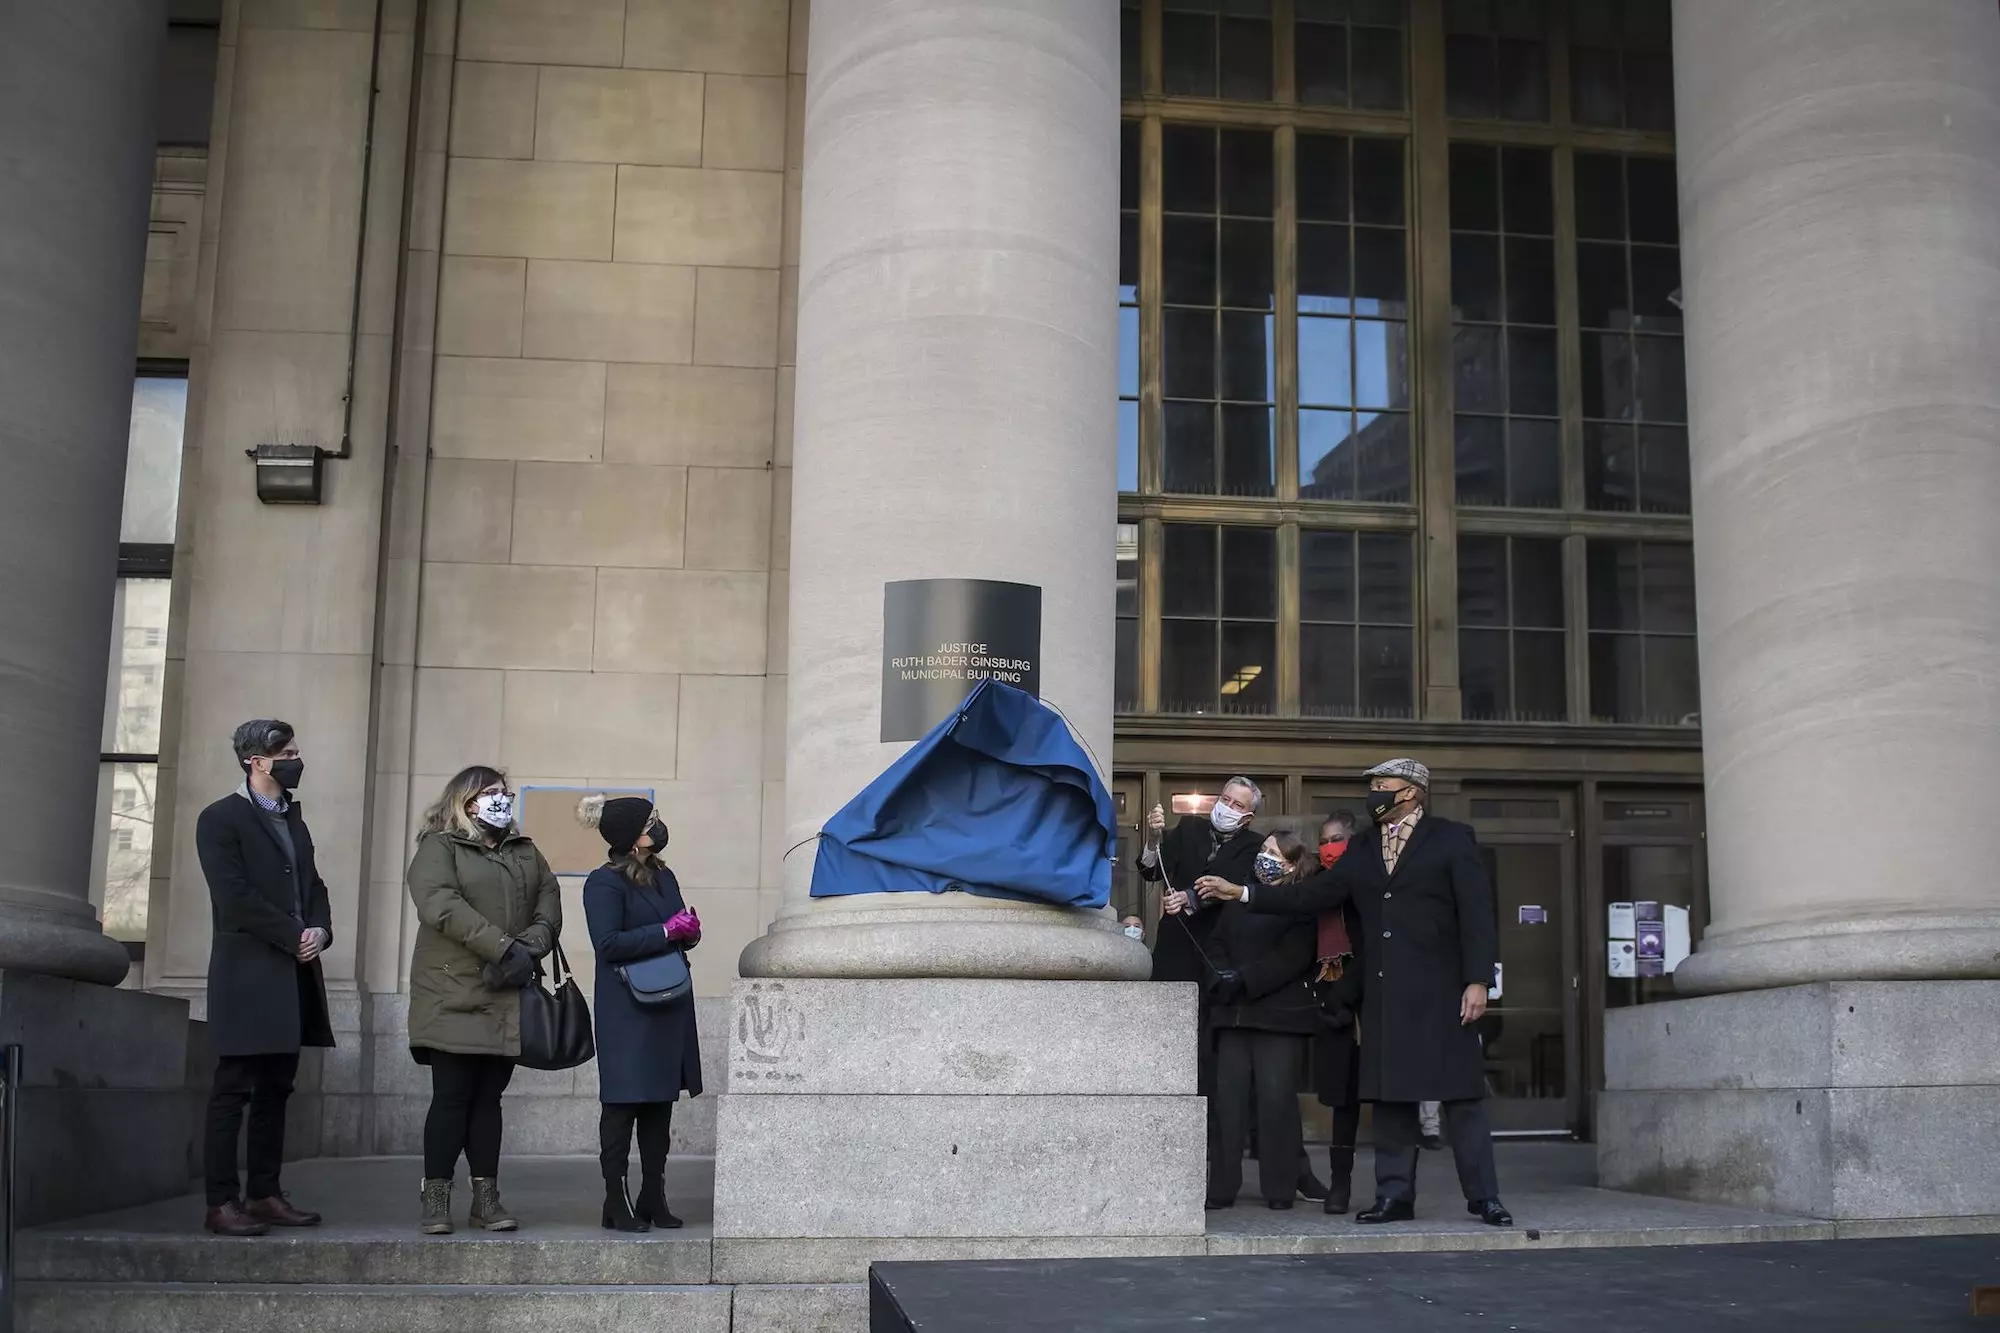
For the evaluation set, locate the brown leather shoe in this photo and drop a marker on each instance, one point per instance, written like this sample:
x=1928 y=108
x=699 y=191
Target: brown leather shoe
x=278 y=1211
x=229 y=1219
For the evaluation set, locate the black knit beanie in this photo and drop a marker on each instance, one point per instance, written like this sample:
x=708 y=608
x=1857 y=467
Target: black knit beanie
x=621 y=820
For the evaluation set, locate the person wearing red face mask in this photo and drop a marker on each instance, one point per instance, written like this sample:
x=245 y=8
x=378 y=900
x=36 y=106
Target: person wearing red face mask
x=1336 y=1055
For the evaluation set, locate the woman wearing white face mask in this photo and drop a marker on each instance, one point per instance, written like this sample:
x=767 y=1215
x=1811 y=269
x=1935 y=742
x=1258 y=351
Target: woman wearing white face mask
x=489 y=908
x=1262 y=1013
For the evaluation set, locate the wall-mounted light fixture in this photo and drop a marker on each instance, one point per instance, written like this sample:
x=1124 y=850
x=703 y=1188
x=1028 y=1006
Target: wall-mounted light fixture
x=290 y=474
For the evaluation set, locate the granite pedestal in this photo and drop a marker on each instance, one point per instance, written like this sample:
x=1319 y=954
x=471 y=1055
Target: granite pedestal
x=932 y=1118
x=1838 y=1100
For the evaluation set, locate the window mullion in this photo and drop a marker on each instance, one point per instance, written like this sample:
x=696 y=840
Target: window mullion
x=1569 y=335
x=1284 y=68
x=1288 y=620
x=1152 y=318
x=1285 y=334
x=1437 y=547
x=1152 y=77
x=1576 y=610
x=1152 y=548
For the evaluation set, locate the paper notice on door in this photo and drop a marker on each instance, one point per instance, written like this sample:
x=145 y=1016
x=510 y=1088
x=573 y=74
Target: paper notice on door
x=1623 y=956
x=1531 y=915
x=1678 y=944
x=1624 y=923
x=1494 y=991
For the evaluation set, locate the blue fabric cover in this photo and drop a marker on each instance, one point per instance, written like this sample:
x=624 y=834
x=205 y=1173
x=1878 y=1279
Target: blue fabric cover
x=998 y=800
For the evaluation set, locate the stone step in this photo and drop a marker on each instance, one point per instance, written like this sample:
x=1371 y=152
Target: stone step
x=602 y=1259
x=46 y=1307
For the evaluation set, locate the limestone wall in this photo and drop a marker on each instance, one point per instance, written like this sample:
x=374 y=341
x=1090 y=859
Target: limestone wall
x=561 y=543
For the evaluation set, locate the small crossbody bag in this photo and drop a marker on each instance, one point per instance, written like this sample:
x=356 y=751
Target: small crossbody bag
x=659 y=981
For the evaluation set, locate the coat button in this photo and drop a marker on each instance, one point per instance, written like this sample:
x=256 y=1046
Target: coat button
x=1385 y=934
x=1388 y=895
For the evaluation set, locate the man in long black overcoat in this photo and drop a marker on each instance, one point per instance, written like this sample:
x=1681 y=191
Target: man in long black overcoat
x=266 y=995
x=1427 y=916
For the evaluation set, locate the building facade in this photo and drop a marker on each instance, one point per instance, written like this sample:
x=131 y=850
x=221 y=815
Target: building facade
x=1451 y=336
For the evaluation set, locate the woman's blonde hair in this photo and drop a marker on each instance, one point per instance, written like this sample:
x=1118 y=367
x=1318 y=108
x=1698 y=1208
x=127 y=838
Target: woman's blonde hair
x=447 y=814
x=641 y=868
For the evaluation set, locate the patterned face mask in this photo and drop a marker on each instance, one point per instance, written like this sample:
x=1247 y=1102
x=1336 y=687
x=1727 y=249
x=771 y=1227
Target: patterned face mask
x=1270 y=869
x=495 y=809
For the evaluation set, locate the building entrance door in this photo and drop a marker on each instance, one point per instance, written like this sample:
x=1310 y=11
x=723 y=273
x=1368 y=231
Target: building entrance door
x=1527 y=837
x=1128 y=891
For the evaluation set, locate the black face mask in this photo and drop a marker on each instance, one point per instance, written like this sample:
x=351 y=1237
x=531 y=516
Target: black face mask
x=1380 y=803
x=657 y=831
x=288 y=773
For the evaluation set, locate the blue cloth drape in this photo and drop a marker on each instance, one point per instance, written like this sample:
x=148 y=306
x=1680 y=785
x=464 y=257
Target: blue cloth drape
x=998 y=800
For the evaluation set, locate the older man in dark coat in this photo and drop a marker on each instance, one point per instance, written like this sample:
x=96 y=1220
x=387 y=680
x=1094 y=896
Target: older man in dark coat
x=1427 y=915
x=266 y=998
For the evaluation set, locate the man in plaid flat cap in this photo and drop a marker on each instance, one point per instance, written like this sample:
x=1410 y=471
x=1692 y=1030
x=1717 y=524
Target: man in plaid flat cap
x=1426 y=909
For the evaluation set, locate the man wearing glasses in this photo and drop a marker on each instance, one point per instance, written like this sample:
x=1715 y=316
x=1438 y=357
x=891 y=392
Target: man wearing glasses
x=1426 y=910
x=266 y=998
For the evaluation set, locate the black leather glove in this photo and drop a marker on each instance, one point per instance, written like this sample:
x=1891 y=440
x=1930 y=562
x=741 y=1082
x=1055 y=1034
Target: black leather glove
x=1228 y=987
x=514 y=971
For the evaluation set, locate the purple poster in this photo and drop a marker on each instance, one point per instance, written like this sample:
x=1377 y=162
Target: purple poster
x=1651 y=939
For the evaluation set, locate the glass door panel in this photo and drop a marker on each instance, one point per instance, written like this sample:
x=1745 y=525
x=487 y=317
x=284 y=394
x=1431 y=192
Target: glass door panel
x=1526 y=1030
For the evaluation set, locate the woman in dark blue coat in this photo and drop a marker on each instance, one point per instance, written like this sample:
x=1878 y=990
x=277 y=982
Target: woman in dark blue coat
x=646 y=1055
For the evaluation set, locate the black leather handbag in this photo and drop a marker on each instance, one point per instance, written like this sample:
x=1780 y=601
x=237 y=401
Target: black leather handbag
x=659 y=981
x=555 y=1027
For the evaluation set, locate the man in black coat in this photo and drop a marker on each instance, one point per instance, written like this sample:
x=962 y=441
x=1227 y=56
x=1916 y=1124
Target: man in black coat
x=266 y=998
x=1221 y=842
x=1427 y=915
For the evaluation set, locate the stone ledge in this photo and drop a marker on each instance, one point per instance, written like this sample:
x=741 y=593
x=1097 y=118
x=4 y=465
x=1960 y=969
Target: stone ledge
x=841 y=1261
x=848 y=1166
x=1846 y=1034
x=1838 y=1153
x=971 y=1037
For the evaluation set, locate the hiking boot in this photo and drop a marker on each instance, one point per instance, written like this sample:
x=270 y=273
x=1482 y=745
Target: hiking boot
x=488 y=1213
x=437 y=1208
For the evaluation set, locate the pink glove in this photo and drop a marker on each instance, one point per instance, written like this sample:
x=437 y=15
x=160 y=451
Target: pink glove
x=684 y=927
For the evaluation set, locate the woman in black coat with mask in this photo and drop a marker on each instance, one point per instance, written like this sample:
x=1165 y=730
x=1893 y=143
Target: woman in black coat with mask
x=647 y=1055
x=1262 y=1015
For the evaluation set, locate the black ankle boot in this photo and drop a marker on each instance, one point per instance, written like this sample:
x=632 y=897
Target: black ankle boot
x=1339 y=1180
x=618 y=1208
x=652 y=1204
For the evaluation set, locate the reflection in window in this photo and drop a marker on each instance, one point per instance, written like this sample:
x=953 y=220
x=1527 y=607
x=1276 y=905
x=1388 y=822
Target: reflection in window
x=1511 y=643
x=1508 y=447
x=1643 y=664
x=1356 y=618
x=1621 y=68
x=1219 y=370
x=1217 y=48
x=1125 y=676
x=1496 y=61
x=128 y=775
x=1219 y=611
x=1128 y=306
x=1628 y=303
x=1349 y=53
x=1354 y=352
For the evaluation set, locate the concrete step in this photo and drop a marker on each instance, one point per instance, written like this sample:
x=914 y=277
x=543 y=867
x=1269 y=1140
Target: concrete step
x=61 y=1307
x=603 y=1259
x=370 y=1235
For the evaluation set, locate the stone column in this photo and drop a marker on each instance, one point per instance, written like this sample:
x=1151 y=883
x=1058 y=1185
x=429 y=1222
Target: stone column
x=1840 y=185
x=1840 y=181
x=955 y=419
x=76 y=167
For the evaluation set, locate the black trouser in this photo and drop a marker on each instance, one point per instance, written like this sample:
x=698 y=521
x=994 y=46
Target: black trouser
x=615 y=1123
x=465 y=1114
x=1465 y=1125
x=264 y=1084
x=1260 y=1069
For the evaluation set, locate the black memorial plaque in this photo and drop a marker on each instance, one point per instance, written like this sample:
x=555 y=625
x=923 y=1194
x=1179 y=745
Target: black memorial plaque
x=941 y=637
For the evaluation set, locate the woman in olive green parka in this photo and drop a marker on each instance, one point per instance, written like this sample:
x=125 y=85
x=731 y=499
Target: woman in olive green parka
x=490 y=908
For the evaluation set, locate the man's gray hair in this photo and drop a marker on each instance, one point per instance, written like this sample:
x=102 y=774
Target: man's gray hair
x=1256 y=792
x=259 y=737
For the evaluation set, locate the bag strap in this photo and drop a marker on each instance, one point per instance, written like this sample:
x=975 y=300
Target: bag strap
x=562 y=968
